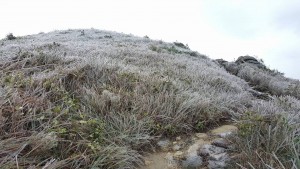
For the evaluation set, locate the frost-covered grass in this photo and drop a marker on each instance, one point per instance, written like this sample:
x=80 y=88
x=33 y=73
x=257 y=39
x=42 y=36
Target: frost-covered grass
x=70 y=99
x=267 y=80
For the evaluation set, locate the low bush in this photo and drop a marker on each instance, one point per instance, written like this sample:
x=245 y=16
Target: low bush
x=10 y=36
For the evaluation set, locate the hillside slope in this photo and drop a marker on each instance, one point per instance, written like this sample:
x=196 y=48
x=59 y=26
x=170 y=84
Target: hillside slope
x=98 y=99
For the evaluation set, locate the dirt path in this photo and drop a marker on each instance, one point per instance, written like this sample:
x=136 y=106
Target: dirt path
x=201 y=150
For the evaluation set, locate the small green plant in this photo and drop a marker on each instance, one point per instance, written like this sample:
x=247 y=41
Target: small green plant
x=200 y=126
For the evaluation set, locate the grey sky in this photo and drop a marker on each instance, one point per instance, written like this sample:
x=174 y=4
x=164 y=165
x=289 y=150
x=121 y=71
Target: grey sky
x=220 y=29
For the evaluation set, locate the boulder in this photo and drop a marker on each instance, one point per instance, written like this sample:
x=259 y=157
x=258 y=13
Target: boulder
x=250 y=60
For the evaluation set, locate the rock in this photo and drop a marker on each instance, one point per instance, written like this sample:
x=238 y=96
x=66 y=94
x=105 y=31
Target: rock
x=209 y=150
x=164 y=144
x=193 y=149
x=217 y=161
x=176 y=147
x=260 y=95
x=178 y=155
x=192 y=162
x=251 y=60
x=224 y=130
x=221 y=61
x=217 y=156
x=220 y=142
x=178 y=138
x=203 y=136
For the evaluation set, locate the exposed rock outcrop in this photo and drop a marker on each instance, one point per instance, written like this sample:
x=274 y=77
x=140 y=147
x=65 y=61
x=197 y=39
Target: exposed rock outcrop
x=233 y=67
x=236 y=67
x=201 y=150
x=250 y=60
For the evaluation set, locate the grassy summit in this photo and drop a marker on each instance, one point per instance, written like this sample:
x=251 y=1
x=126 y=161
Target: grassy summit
x=99 y=99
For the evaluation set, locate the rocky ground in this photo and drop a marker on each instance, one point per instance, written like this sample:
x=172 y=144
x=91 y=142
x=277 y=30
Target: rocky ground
x=201 y=150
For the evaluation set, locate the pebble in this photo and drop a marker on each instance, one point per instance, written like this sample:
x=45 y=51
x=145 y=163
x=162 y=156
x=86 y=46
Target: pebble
x=225 y=130
x=178 y=155
x=178 y=138
x=176 y=148
x=164 y=144
x=203 y=136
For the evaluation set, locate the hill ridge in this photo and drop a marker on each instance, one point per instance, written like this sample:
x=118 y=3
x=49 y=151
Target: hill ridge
x=90 y=98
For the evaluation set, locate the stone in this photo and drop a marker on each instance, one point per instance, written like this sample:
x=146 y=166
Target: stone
x=250 y=60
x=176 y=147
x=178 y=155
x=217 y=156
x=217 y=161
x=224 y=131
x=192 y=162
x=260 y=95
x=178 y=138
x=203 y=136
x=221 y=142
x=221 y=61
x=193 y=149
x=164 y=144
x=208 y=150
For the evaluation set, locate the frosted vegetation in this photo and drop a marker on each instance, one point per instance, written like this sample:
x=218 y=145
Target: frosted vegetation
x=98 y=99
x=266 y=80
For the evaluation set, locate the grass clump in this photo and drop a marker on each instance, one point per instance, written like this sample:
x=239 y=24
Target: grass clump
x=269 y=138
x=43 y=119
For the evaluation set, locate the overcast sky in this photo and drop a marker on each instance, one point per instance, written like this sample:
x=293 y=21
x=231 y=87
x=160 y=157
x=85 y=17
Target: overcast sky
x=224 y=29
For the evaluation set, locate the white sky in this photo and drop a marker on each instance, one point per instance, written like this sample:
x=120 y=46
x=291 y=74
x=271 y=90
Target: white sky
x=224 y=29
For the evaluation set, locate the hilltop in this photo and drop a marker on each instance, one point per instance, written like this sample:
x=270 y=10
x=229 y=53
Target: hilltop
x=101 y=99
